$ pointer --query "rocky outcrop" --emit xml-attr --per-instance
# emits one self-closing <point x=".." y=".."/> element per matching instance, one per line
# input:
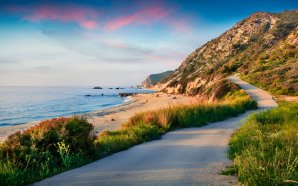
<point x="152" y="79"/>
<point x="97" y="87"/>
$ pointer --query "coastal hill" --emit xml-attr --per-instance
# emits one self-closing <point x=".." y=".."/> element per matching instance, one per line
<point x="262" y="49"/>
<point x="152" y="79"/>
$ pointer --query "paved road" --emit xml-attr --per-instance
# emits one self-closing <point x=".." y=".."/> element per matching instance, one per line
<point x="263" y="98"/>
<point x="190" y="156"/>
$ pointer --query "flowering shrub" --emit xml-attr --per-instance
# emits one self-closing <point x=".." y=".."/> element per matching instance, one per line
<point x="59" y="142"/>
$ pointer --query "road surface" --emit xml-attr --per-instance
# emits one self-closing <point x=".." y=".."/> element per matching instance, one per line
<point x="191" y="156"/>
<point x="263" y="98"/>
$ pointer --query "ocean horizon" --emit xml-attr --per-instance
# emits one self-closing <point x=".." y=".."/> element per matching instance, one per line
<point x="25" y="104"/>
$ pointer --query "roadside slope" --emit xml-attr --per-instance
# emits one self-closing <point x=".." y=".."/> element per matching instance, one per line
<point x="189" y="156"/>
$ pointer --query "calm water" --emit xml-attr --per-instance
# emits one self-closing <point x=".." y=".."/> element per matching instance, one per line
<point x="20" y="105"/>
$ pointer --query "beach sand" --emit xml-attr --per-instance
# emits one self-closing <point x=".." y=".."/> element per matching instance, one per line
<point x="111" y="119"/>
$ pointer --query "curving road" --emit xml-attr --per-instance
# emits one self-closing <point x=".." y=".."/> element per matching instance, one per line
<point x="263" y="98"/>
<point x="191" y="156"/>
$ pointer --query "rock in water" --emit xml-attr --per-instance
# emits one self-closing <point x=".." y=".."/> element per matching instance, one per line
<point x="127" y="94"/>
<point x="97" y="87"/>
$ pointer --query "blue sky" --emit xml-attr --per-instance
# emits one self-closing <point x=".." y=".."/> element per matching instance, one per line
<point x="110" y="42"/>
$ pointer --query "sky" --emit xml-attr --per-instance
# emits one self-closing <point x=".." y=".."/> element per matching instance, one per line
<point x="110" y="42"/>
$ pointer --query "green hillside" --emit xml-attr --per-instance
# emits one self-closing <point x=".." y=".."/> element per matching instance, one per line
<point x="262" y="48"/>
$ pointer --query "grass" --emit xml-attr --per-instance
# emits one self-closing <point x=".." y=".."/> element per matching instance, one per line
<point x="229" y="171"/>
<point x="61" y="144"/>
<point x="265" y="148"/>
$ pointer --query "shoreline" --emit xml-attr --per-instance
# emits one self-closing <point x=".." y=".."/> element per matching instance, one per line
<point x="112" y="118"/>
<point x="7" y="130"/>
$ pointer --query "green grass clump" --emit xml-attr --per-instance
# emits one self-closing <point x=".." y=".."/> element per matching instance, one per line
<point x="230" y="170"/>
<point x="265" y="148"/>
<point x="60" y="144"/>
<point x="115" y="141"/>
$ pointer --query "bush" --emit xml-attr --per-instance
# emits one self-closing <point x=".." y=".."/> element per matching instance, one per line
<point x="51" y="146"/>
<point x="265" y="148"/>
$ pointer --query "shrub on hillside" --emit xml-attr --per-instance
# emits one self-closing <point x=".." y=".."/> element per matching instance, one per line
<point x="224" y="87"/>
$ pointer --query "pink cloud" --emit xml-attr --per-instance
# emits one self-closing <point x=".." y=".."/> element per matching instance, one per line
<point x="83" y="16"/>
<point x="89" y="17"/>
<point x="88" y="24"/>
<point x="144" y="16"/>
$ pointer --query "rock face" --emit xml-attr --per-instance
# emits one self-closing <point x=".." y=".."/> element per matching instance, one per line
<point x="262" y="48"/>
<point x="152" y="79"/>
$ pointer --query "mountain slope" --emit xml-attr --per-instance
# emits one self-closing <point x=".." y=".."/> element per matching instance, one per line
<point x="263" y="48"/>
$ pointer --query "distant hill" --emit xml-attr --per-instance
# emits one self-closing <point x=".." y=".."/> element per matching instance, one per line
<point x="262" y="48"/>
<point x="152" y="79"/>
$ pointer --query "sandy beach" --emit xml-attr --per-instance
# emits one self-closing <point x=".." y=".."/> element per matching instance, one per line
<point x="111" y="119"/>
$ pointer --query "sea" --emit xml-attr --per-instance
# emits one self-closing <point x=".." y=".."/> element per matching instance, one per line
<point x="24" y="104"/>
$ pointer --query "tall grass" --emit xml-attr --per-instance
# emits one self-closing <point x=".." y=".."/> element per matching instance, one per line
<point x="60" y="144"/>
<point x="192" y="115"/>
<point x="115" y="141"/>
<point x="265" y="148"/>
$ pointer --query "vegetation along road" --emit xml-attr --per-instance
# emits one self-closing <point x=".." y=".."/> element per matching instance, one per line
<point x="189" y="156"/>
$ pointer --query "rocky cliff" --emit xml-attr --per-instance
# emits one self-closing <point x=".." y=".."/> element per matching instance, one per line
<point x="152" y="79"/>
<point x="262" y="48"/>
